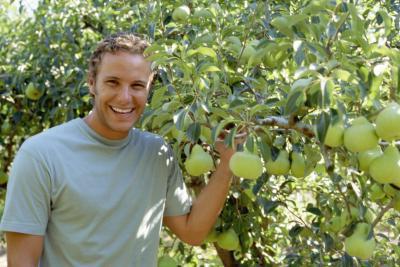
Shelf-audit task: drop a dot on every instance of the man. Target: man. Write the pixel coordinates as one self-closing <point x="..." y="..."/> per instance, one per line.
<point x="95" y="191"/>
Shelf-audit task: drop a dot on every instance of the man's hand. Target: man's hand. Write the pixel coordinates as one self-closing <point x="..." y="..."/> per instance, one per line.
<point x="225" y="153"/>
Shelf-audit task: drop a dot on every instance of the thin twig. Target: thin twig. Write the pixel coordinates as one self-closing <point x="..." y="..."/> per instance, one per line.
<point x="383" y="211"/>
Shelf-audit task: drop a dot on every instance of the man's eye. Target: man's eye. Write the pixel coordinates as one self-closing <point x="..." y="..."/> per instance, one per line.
<point x="112" y="82"/>
<point x="137" y="86"/>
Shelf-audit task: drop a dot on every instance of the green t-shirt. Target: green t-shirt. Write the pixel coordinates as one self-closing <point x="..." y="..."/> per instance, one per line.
<point x="98" y="202"/>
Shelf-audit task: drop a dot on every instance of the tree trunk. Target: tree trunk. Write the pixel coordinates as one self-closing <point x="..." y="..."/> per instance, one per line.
<point x="226" y="257"/>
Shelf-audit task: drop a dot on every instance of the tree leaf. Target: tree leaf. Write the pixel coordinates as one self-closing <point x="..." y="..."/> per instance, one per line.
<point x="268" y="205"/>
<point x="193" y="132"/>
<point x="295" y="230"/>
<point x="205" y="51"/>
<point x="295" y="101"/>
<point x="323" y="121"/>
<point x="179" y="118"/>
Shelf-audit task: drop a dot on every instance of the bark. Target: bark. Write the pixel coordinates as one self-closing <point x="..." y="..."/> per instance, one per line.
<point x="226" y="257"/>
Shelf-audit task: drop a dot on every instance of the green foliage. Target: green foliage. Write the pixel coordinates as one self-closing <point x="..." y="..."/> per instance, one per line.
<point x="239" y="66"/>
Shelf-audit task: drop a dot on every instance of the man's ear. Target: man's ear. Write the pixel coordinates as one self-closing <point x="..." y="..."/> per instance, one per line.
<point x="91" y="84"/>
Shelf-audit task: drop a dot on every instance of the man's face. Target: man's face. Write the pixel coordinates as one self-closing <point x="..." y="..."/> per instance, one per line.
<point x="120" y="93"/>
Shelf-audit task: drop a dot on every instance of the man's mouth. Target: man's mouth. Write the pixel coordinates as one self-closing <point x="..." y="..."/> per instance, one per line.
<point x="122" y="110"/>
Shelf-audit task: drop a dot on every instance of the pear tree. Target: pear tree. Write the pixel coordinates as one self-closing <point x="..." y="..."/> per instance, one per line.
<point x="311" y="86"/>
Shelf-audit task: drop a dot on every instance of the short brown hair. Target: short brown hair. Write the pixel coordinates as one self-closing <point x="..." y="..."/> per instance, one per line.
<point x="123" y="41"/>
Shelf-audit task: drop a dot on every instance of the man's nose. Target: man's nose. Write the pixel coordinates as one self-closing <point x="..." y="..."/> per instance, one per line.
<point x="124" y="93"/>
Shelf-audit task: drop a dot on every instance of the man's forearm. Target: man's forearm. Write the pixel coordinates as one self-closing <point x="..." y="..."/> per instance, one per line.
<point x="209" y="203"/>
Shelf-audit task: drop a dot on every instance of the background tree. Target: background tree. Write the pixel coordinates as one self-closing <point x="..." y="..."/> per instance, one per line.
<point x="281" y="73"/>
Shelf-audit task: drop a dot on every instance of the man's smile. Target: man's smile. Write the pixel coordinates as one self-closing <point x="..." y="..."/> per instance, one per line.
<point x="122" y="110"/>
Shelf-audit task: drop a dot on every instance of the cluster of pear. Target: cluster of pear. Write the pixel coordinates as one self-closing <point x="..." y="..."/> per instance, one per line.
<point x="182" y="13"/>
<point x="361" y="242"/>
<point x="362" y="137"/>
<point x="338" y="222"/>
<point x="248" y="165"/>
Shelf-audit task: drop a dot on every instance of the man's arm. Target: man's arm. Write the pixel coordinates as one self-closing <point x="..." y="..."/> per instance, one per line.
<point x="192" y="228"/>
<point x="23" y="250"/>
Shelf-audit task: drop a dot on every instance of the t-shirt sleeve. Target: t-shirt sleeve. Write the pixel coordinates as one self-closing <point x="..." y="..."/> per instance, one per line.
<point x="27" y="205"/>
<point x="178" y="200"/>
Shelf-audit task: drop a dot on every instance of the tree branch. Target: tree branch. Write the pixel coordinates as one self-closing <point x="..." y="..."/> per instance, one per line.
<point x="383" y="211"/>
<point x="284" y="123"/>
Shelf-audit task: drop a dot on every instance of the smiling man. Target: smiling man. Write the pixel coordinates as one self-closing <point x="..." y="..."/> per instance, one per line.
<point x="95" y="191"/>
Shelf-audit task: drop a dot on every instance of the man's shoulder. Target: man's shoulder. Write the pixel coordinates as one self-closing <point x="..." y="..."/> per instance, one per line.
<point x="148" y="136"/>
<point x="47" y="138"/>
<point x="150" y="140"/>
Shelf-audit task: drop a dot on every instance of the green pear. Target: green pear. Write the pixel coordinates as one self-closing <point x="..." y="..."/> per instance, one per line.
<point x="334" y="135"/>
<point x="228" y="240"/>
<point x="360" y="136"/>
<point x="388" y="122"/>
<point x="199" y="161"/>
<point x="298" y="166"/>
<point x="279" y="166"/>
<point x="167" y="261"/>
<point x="32" y="92"/>
<point x="202" y="13"/>
<point x="358" y="245"/>
<point x="337" y="223"/>
<point x="386" y="168"/>
<point x="245" y="164"/>
<point x="365" y="158"/>
<point x="376" y="192"/>
<point x="211" y="236"/>
<point x="181" y="13"/>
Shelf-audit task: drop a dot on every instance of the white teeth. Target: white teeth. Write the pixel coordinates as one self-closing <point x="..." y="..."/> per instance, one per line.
<point x="120" y="110"/>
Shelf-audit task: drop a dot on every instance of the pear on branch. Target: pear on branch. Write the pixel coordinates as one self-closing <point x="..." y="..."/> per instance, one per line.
<point x="386" y="168"/>
<point x="365" y="158"/>
<point x="181" y="13"/>
<point x="32" y="92"/>
<point x="228" y="240"/>
<point x="360" y="136"/>
<point x="361" y="243"/>
<point x="199" y="161"/>
<point x="388" y="122"/>
<point x="246" y="165"/>
<point x="298" y="166"/>
<point x="279" y="166"/>
<point x="334" y="135"/>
